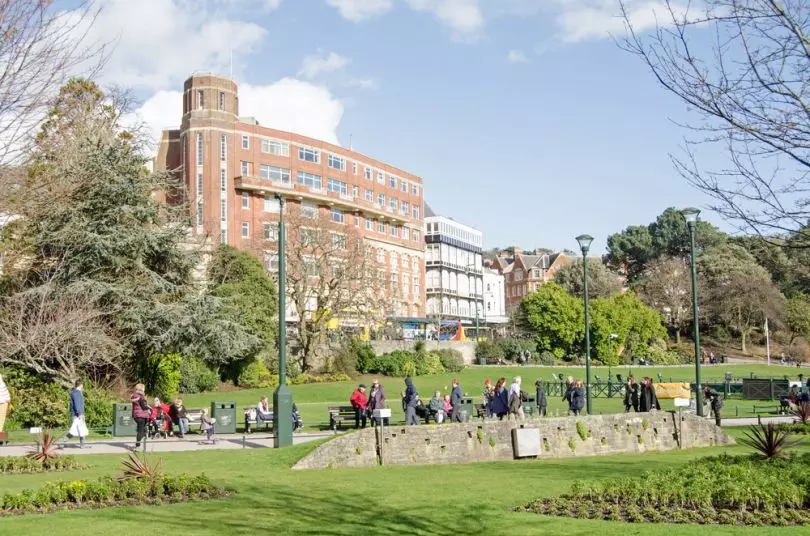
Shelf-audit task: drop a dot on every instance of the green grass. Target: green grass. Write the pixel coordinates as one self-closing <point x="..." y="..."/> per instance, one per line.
<point x="457" y="499"/>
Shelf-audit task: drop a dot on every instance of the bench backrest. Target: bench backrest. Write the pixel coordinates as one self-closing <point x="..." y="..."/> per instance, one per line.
<point x="194" y="415"/>
<point x="341" y="410"/>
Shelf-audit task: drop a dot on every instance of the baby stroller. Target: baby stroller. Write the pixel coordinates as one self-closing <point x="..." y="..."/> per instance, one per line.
<point x="160" y="424"/>
<point x="297" y="421"/>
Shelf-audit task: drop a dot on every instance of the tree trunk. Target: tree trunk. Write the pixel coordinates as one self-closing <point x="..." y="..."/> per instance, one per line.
<point x="743" y="334"/>
<point x="677" y="336"/>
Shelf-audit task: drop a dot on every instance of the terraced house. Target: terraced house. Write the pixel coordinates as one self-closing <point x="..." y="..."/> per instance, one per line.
<point x="232" y="169"/>
<point x="525" y="272"/>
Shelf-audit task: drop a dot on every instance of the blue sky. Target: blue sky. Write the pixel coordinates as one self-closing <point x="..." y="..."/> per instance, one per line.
<point x="523" y="117"/>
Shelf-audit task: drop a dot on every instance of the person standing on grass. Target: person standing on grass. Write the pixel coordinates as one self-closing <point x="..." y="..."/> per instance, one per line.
<point x="359" y="401"/>
<point x="410" y="401"/>
<point x="376" y="400"/>
<point x="648" y="399"/>
<point x="207" y="425"/>
<point x="569" y="388"/>
<point x="141" y="412"/>
<point x="716" y="402"/>
<point x="5" y="401"/>
<point x="455" y="400"/>
<point x="631" y="395"/>
<point x="577" y="398"/>
<point x="540" y="400"/>
<point x="78" y="428"/>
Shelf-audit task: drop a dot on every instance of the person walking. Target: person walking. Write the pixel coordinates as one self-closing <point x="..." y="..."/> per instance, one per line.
<point x="78" y="427"/>
<point x="376" y="400"/>
<point x="631" y="395"/>
<point x="487" y="398"/>
<point x="359" y="401"/>
<point x="179" y="416"/>
<point x="577" y="398"/>
<point x="515" y="400"/>
<point x="410" y="401"/>
<point x="140" y="413"/>
<point x="569" y="392"/>
<point x="500" y="399"/>
<point x="207" y="425"/>
<point x="5" y="402"/>
<point x="716" y="402"/>
<point x="540" y="399"/>
<point x="455" y="400"/>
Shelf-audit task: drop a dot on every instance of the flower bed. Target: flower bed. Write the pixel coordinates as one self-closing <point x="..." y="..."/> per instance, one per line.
<point x="109" y="492"/>
<point x="26" y="464"/>
<point x="723" y="490"/>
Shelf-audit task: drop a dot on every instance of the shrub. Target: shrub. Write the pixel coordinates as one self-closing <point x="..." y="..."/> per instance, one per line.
<point x="98" y="410"/>
<point x="489" y="350"/>
<point x="546" y="358"/>
<point x="196" y="377"/>
<point x="769" y="441"/>
<point x="365" y="356"/>
<point x="161" y="375"/>
<point x="38" y="404"/>
<point x="428" y="363"/>
<point x="512" y="348"/>
<point x="452" y="361"/>
<point x="27" y="464"/>
<point x="661" y="355"/>
<point x="256" y="376"/>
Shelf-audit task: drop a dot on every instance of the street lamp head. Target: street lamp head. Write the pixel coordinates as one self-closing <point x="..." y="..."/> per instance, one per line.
<point x="584" y="243"/>
<point x="690" y="215"/>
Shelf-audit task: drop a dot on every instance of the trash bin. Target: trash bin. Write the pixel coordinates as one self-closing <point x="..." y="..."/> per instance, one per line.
<point x="467" y="410"/>
<point x="123" y="423"/>
<point x="224" y="414"/>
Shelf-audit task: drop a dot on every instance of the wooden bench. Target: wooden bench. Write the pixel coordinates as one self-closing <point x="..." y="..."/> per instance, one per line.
<point x="251" y="422"/>
<point x="338" y="414"/>
<point x="778" y="410"/>
<point x="193" y="415"/>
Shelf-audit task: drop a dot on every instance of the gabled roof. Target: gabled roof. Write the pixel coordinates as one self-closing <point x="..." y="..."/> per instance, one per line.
<point x="429" y="211"/>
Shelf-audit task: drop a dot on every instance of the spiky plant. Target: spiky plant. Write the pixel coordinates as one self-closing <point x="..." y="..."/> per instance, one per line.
<point x="802" y="412"/>
<point x="769" y="441"/>
<point x="46" y="452"/>
<point x="135" y="467"/>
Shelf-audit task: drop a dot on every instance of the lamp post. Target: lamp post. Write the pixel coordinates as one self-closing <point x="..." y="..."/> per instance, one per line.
<point x="475" y="300"/>
<point x="691" y="217"/>
<point x="585" y="244"/>
<point x="282" y="397"/>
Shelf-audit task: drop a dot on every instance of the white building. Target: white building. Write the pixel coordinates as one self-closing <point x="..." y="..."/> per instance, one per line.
<point x="453" y="270"/>
<point x="494" y="297"/>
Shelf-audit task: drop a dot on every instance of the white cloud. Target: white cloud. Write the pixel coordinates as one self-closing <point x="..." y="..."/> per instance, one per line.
<point x="362" y="83"/>
<point x="580" y="20"/>
<point x="516" y="56"/>
<point x="358" y="10"/>
<point x="320" y="62"/>
<point x="287" y="104"/>
<point x="464" y="17"/>
<point x="158" y="43"/>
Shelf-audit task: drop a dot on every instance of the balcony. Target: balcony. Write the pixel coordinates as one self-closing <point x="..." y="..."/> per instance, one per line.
<point x="456" y="267"/>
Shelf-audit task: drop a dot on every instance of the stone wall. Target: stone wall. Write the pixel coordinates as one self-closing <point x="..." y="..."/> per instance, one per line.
<point x="467" y="348"/>
<point x="492" y="440"/>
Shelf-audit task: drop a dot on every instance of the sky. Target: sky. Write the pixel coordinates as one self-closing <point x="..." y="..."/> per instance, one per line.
<point x="523" y="117"/>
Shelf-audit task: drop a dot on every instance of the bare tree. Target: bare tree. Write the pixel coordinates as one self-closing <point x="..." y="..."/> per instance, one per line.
<point x="58" y="336"/>
<point x="332" y="272"/>
<point x="666" y="285"/>
<point x="749" y="89"/>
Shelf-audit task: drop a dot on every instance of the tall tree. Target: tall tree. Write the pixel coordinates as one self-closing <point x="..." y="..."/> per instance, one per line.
<point x="797" y="318"/>
<point x="747" y="88"/>
<point x="634" y="325"/>
<point x="666" y="285"/>
<point x="602" y="282"/>
<point x="555" y="318"/>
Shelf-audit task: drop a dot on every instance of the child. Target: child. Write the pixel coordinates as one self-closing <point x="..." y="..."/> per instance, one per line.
<point x="448" y="407"/>
<point x="207" y="426"/>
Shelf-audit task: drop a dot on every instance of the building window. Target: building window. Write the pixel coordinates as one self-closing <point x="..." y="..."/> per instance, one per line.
<point x="416" y="284"/>
<point x="367" y="172"/>
<point x="271" y="232"/>
<point x="381" y="199"/>
<point x="381" y="226"/>
<point x="338" y="242"/>
<point x="223" y="209"/>
<point x="223" y="148"/>
<point x="199" y="183"/>
<point x="354" y="168"/>
<point x="406" y="233"/>
<point x="221" y="100"/>
<point x="271" y="261"/>
<point x="392" y="182"/>
<point x="403" y="186"/>
<point x="199" y="149"/>
<point x="309" y="210"/>
<point x="392" y="203"/>
<point x="394" y="230"/>
<point x="245" y="229"/>
<point x="245" y="142"/>
<point x="199" y="212"/>
<point x="369" y="224"/>
<point x="223" y="236"/>
<point x="200" y="99"/>
<point x="245" y="169"/>
<point x="309" y="179"/>
<point x="404" y="208"/>
<point x="415" y="264"/>
<point x="415" y="189"/>
<point x="245" y="200"/>
<point x="334" y="185"/>
<point x="337" y="215"/>
<point x="336" y="162"/>
<point x="404" y="261"/>
<point x="518" y="275"/>
<point x="309" y="155"/>
<point x="274" y="174"/>
<point x="272" y="204"/>
<point x="309" y="237"/>
<point x="394" y="259"/>
<point x="416" y="212"/>
<point x="275" y="147"/>
<point x="356" y="221"/>
<point x="223" y="180"/>
<point x="368" y="195"/>
<point x="380" y="177"/>
<point x="417" y="235"/>
<point x="381" y="255"/>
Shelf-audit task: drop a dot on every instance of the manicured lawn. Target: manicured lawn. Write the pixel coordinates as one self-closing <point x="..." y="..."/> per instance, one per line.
<point x="273" y="499"/>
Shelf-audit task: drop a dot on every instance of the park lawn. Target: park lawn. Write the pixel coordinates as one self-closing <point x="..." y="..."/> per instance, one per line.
<point x="451" y="499"/>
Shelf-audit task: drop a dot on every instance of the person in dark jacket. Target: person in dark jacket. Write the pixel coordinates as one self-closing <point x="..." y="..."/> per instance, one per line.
<point x="410" y="401"/>
<point x="78" y="428"/>
<point x="455" y="400"/>
<point x="179" y="416"/>
<point x="648" y="400"/>
<point x="500" y="399"/>
<point x="631" y="395"/>
<point x="540" y="399"/>
<point x="569" y="393"/>
<point x="140" y="412"/>
<point x="577" y="398"/>
<point x="376" y="400"/>
<point x="716" y="402"/>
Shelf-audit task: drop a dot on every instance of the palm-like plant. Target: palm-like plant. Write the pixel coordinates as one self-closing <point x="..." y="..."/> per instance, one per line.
<point x="769" y="441"/>
<point x="47" y="448"/>
<point x="802" y="411"/>
<point x="135" y="467"/>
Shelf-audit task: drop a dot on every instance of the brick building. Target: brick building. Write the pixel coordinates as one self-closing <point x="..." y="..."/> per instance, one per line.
<point x="525" y="272"/>
<point x="232" y="168"/>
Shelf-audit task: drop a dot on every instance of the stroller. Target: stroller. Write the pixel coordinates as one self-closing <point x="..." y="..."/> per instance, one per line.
<point x="160" y="424"/>
<point x="297" y="421"/>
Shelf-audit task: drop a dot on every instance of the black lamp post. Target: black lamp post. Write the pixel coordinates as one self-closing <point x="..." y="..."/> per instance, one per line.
<point x="691" y="217"/>
<point x="282" y="397"/>
<point x="585" y="244"/>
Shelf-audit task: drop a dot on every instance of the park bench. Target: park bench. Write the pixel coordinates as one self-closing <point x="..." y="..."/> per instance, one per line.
<point x="338" y="414"/>
<point x="252" y="422"/>
<point x="775" y="409"/>
<point x="193" y="415"/>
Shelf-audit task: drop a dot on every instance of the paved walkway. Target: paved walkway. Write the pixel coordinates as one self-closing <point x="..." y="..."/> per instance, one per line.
<point x="746" y="421"/>
<point x="122" y="446"/>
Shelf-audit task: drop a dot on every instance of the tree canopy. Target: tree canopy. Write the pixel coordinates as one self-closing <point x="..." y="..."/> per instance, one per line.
<point x="602" y="282"/>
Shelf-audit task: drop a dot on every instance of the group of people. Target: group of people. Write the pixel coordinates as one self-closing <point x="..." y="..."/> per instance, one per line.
<point x="159" y="419"/>
<point x="501" y="402"/>
<point x="365" y="404"/>
<point x="641" y="397"/>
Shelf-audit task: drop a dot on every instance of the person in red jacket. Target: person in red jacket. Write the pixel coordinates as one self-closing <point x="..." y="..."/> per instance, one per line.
<point x="359" y="401"/>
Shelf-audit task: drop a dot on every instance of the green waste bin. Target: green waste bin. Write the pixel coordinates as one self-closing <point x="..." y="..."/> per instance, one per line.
<point x="224" y="414"/>
<point x="467" y="409"/>
<point x="123" y="423"/>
